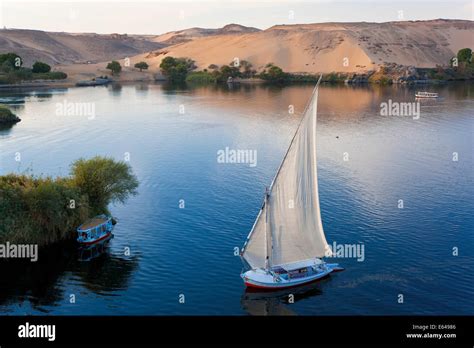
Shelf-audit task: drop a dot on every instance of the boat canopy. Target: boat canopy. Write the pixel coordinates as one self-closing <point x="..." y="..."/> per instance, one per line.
<point x="288" y="228"/>
<point x="300" y="264"/>
<point x="93" y="223"/>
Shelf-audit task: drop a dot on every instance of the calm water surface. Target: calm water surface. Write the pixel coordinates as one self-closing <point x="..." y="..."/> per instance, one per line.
<point x="190" y="251"/>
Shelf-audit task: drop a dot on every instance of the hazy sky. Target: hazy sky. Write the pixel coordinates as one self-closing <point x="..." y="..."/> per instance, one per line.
<point x="158" y="16"/>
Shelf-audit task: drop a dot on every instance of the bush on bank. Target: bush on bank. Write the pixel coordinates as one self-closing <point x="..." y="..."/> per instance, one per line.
<point x="44" y="210"/>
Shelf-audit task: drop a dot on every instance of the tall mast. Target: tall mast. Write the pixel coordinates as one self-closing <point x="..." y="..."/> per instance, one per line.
<point x="315" y="115"/>
<point x="267" y="230"/>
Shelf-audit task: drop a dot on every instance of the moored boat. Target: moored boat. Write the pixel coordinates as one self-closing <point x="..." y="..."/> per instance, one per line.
<point x="94" y="82"/>
<point x="426" y="95"/>
<point x="287" y="243"/>
<point x="95" y="230"/>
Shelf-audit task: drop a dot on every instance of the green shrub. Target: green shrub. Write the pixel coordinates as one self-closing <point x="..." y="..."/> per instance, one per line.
<point x="52" y="75"/>
<point x="36" y="210"/>
<point x="10" y="61"/>
<point x="40" y="67"/>
<point x="6" y="116"/>
<point x="141" y="66"/>
<point x="103" y="181"/>
<point x="227" y="71"/>
<point x="115" y="67"/>
<point x="25" y="74"/>
<point x="274" y="73"/>
<point x="176" y="69"/>
<point x="45" y="210"/>
<point x="465" y="55"/>
<point x="200" y="77"/>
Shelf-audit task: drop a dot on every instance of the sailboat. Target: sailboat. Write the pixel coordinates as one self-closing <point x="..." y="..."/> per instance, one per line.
<point x="286" y="244"/>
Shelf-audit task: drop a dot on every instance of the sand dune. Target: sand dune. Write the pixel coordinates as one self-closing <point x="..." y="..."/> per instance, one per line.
<point x="327" y="47"/>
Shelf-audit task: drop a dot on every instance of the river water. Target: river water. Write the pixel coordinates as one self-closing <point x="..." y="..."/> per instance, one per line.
<point x="176" y="239"/>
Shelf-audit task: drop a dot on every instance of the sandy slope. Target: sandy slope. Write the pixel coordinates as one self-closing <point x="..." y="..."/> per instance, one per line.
<point x="326" y="47"/>
<point x="175" y="37"/>
<point x="294" y="50"/>
<point x="78" y="72"/>
<point x="60" y="48"/>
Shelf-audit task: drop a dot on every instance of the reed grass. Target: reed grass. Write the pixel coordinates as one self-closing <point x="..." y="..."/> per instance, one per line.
<point x="44" y="210"/>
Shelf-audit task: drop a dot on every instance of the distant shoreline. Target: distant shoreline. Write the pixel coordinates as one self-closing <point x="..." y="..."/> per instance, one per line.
<point x="70" y="84"/>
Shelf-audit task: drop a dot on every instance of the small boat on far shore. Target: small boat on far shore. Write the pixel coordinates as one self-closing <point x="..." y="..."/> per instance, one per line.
<point x="426" y="95"/>
<point x="97" y="81"/>
<point x="95" y="230"/>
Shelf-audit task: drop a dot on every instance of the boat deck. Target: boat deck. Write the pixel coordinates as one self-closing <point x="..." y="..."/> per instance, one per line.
<point x="93" y="223"/>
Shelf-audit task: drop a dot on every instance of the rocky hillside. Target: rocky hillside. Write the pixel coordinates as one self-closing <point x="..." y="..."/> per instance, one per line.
<point x="64" y="48"/>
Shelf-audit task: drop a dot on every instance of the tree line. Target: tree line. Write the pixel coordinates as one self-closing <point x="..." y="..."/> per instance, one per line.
<point x="12" y="70"/>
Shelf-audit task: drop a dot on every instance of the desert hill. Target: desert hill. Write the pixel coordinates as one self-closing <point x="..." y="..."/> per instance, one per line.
<point x="65" y="48"/>
<point x="327" y="47"/>
<point x="298" y="48"/>
<point x="180" y="36"/>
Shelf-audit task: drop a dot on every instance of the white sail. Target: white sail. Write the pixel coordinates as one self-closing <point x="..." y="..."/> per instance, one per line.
<point x="294" y="230"/>
<point x="255" y="249"/>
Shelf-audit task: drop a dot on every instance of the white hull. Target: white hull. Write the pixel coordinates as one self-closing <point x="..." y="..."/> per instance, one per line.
<point x="429" y="96"/>
<point x="263" y="279"/>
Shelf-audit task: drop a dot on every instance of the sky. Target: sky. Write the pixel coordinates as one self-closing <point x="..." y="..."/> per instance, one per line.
<point x="160" y="16"/>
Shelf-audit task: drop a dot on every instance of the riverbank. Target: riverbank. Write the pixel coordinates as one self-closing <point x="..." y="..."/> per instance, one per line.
<point x="389" y="73"/>
<point x="386" y="75"/>
<point x="77" y="73"/>
<point x="45" y="210"/>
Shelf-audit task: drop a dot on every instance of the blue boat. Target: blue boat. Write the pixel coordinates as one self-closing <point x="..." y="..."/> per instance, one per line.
<point x="95" y="230"/>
